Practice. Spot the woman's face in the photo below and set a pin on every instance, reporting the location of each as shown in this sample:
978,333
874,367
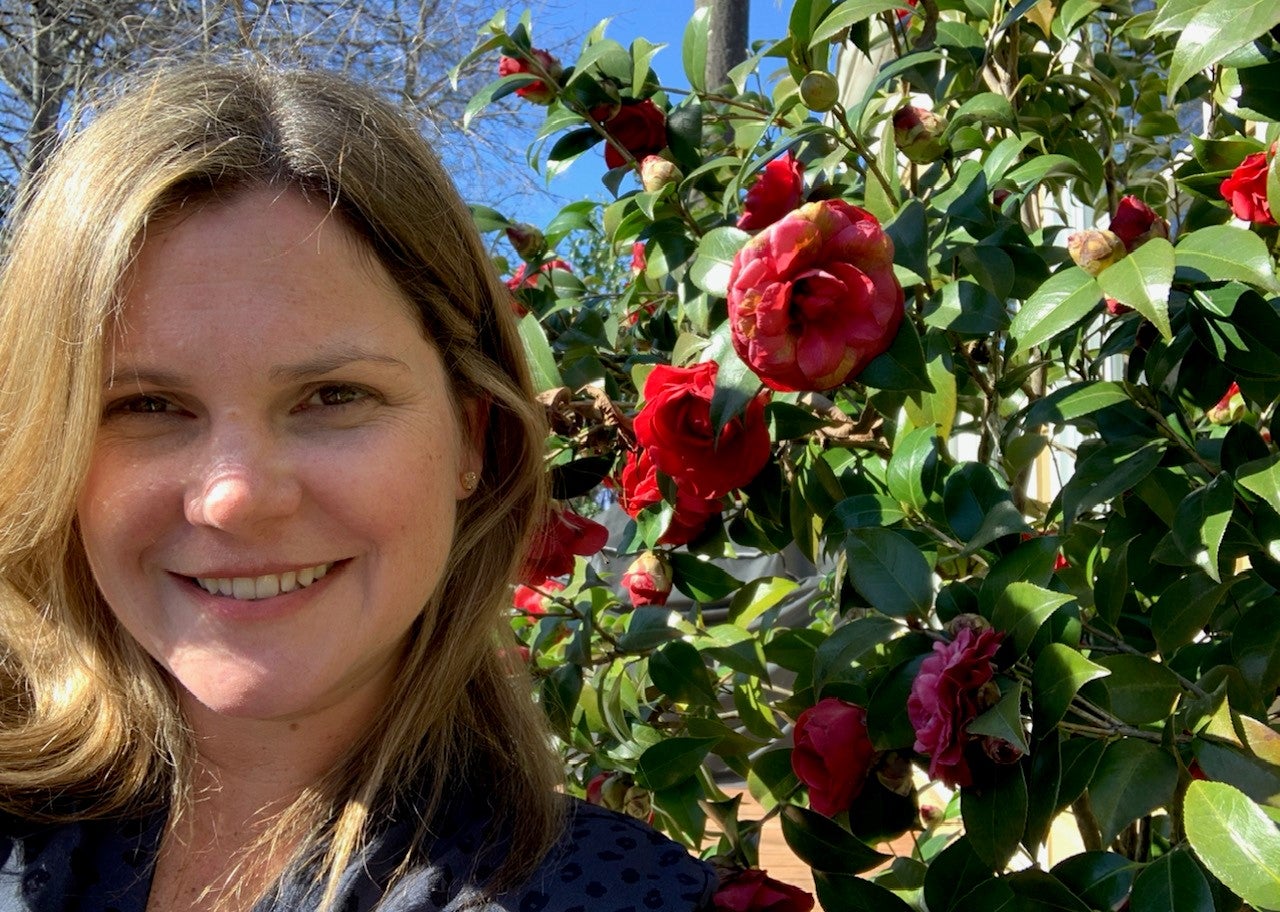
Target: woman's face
271,498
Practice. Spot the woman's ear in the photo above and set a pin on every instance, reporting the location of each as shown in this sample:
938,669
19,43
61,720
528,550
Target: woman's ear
474,421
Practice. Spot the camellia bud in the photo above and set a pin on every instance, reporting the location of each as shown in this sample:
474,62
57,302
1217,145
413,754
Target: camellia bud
1230,407
1094,249
648,580
656,172
819,91
918,134
527,240
618,792
975,622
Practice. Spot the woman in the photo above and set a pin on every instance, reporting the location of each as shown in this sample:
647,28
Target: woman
268,455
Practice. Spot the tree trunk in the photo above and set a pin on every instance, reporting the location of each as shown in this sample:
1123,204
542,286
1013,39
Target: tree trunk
726,38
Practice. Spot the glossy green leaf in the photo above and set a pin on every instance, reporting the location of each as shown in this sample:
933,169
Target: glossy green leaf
1236,841
1201,522
647,628
542,360
845,14
699,579
1004,720
1022,608
671,761
848,645
1107,472
847,893
902,367
1140,691
1253,775
889,572
1059,304
1217,29
1133,778
1183,609
1262,477
1142,281
995,814
1223,253
1059,673
757,597
1101,879
714,259
863,510
1171,883
1075,400
824,845
678,671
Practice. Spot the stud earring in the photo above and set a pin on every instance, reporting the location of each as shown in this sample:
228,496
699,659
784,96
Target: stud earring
470,480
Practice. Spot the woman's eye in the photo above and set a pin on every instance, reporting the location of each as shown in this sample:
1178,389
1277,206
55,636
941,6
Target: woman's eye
335,395
140,405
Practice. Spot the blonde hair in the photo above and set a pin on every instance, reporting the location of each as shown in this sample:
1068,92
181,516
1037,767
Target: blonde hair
89,724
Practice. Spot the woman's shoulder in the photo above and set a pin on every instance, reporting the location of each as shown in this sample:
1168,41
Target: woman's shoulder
606,860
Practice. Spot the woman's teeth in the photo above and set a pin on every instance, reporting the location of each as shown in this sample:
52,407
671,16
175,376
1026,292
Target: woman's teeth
260,587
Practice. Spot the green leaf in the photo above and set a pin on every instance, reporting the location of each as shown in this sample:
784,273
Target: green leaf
1133,779
1256,777
824,845
1140,691
1032,172
700,579
1004,720
845,649
901,367
1173,16
1218,28
1183,609
910,236
648,627
955,871
1201,522
1142,281
846,14
1171,883
889,572
994,816
694,49
678,671
1057,305
1106,473
847,893
714,259
1223,253
736,384
863,510
757,597
914,458
542,361
1075,400
986,108
1059,673
1262,477
1236,841
642,52
559,697
671,761
1022,608
1101,879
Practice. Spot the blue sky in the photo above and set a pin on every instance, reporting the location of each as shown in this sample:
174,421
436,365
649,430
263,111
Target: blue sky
562,27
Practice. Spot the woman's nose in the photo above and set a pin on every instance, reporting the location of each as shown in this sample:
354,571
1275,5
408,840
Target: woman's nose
244,486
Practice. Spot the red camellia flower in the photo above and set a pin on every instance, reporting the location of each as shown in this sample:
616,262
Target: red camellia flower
522,278
639,489
813,298
639,126
1230,408
777,190
562,535
949,692
532,599
833,754
752,890
538,91
1135,223
1246,189
675,428
648,580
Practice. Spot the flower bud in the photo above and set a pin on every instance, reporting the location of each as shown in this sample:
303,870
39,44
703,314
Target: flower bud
527,240
1135,223
975,622
648,580
656,172
1115,308
537,92
1230,407
819,91
1094,249
918,134
1000,751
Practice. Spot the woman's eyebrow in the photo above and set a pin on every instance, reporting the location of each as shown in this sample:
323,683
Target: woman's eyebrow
334,359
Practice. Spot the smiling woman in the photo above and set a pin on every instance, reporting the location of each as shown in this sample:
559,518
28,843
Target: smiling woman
268,458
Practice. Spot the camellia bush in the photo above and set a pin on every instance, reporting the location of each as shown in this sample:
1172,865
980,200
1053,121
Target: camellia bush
983,336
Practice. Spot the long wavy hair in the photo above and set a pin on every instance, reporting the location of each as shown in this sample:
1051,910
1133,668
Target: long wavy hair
89,723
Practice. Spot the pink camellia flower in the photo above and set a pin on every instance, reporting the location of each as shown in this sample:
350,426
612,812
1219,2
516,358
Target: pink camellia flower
752,890
532,599
918,133
537,92
638,489
638,259
675,428
952,688
648,580
562,535
1135,223
833,754
1246,189
1230,408
656,172
777,190
640,127
813,298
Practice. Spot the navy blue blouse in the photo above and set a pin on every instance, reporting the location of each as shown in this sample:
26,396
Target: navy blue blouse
604,862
